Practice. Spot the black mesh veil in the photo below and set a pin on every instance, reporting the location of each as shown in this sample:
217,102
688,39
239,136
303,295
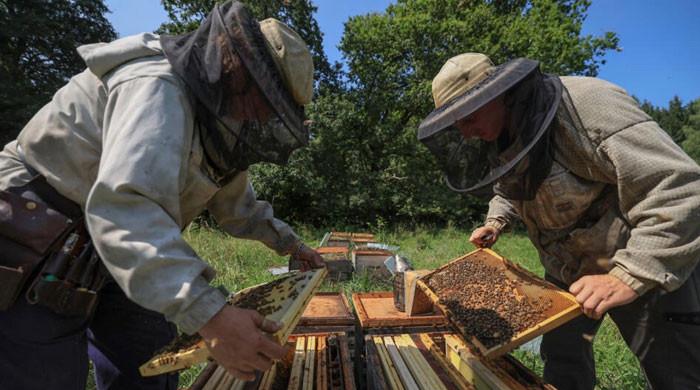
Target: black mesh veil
516,163
200,57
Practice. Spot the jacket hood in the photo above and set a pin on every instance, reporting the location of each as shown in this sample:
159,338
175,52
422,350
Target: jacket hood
102,57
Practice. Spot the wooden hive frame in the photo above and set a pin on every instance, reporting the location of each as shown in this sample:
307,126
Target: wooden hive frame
319,362
288,313
502,373
409,362
564,306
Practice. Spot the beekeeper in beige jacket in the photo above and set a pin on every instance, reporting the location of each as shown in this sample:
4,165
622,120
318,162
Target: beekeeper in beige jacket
156,130
611,203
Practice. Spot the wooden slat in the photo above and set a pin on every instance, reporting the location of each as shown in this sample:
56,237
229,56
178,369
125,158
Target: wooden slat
346,360
441,359
390,370
471,366
295,374
203,377
375,378
376,309
403,370
322,364
215,379
563,310
268,378
227,382
237,385
426,377
309,364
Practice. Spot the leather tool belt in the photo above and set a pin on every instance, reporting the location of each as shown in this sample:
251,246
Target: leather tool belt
46,252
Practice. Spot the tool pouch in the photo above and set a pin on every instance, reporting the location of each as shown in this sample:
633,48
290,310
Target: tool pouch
64,300
70,289
29,231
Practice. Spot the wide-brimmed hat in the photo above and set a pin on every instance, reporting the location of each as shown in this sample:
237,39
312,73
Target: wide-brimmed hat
292,58
465,84
278,62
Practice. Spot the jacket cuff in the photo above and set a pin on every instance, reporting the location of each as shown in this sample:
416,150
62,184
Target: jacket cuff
496,224
201,311
640,286
287,245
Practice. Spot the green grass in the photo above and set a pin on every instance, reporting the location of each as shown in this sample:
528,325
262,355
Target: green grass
242,263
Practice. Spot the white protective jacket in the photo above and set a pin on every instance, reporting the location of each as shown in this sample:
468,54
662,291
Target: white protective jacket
119,140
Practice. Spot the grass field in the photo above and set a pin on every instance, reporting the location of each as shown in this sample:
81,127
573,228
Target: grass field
242,263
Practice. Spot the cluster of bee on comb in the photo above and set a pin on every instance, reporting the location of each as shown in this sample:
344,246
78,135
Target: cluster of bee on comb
272,300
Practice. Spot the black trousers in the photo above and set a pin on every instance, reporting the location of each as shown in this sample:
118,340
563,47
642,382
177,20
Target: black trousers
662,329
41,350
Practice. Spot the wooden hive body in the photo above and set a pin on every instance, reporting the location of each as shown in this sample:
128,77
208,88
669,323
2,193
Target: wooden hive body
371,261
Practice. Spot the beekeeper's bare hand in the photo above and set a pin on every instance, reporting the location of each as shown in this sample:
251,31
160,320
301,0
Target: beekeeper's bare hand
240,341
308,257
484,237
599,293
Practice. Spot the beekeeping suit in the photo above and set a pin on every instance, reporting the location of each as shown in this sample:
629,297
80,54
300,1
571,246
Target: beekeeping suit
600,188
142,142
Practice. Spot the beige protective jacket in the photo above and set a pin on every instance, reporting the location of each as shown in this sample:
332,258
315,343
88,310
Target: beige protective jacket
119,140
622,197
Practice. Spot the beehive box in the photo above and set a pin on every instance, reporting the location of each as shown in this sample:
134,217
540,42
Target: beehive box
371,262
327,309
494,304
377,310
318,362
338,262
282,300
346,239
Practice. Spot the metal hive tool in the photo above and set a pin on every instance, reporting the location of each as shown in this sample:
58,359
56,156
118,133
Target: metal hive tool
282,300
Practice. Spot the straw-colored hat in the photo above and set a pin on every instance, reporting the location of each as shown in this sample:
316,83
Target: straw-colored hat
465,84
292,58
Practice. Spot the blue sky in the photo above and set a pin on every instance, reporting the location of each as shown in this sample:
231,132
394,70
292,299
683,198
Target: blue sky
660,39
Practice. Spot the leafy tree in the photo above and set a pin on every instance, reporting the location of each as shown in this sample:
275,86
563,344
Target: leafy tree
676,120
37,52
691,132
392,58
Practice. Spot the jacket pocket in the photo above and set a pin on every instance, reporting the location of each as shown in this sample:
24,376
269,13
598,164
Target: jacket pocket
562,199
595,245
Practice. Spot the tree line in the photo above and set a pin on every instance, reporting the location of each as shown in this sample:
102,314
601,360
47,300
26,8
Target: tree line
364,164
